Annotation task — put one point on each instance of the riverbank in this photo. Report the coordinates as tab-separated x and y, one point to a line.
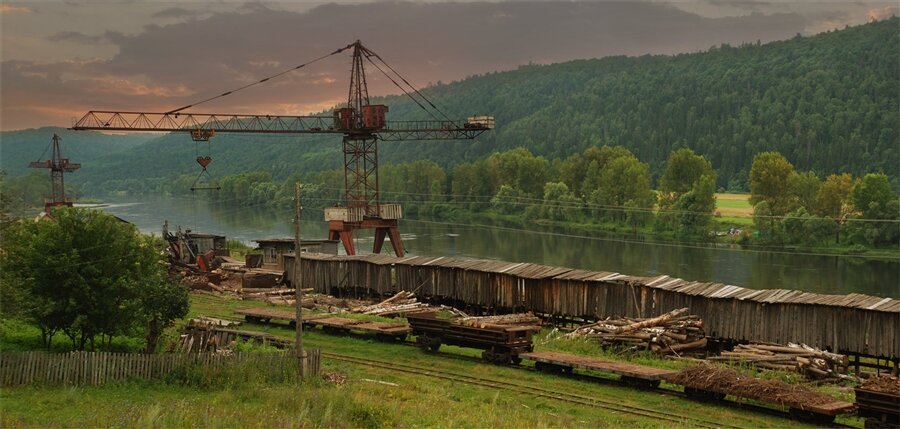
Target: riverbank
727	232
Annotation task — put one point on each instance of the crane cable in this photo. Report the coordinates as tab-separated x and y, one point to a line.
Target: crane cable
403	90
407	83
262	80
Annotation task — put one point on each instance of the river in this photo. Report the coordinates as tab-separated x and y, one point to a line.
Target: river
831	274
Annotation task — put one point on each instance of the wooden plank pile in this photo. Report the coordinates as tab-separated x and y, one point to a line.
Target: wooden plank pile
402	302
208	335
670	333
801	358
502	321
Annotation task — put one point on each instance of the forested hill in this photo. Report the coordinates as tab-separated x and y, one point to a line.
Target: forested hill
19	148
829	103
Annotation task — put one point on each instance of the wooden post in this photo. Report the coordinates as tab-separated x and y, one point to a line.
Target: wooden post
298	288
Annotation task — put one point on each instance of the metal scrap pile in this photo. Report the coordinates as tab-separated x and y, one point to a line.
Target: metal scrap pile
810	361
670	333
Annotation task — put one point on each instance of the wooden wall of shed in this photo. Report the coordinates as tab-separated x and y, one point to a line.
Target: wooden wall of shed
844	329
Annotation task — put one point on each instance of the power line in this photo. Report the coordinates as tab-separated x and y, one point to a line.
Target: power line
266	79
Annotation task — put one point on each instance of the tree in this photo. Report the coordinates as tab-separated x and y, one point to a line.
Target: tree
769	177
834	195
519	169
622	179
879	210
559	203
82	272
769	231
805	188
508	200
162	302
683	169
833	200
695	208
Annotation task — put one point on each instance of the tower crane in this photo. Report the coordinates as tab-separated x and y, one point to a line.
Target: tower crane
58	166
361	124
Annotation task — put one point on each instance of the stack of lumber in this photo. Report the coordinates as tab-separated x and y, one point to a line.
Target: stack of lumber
670	333
810	361
503	321
401	302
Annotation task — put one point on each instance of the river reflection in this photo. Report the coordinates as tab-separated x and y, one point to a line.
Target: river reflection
752	269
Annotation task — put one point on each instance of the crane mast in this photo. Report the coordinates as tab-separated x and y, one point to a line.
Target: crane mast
360	123
58	166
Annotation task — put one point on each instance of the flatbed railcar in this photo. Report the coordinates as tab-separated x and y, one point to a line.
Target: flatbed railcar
329	324
629	374
500	345
818	413
880	409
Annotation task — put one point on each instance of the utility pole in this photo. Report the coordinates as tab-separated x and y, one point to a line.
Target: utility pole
298	284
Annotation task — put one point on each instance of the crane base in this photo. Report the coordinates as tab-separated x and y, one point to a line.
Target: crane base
341	230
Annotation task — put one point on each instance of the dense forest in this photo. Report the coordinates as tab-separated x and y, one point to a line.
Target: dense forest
828	103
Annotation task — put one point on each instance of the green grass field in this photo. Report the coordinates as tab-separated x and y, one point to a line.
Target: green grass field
734	209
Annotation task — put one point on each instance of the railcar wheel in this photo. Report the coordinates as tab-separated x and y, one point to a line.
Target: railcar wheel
703	395
488	356
516	360
435	344
423	342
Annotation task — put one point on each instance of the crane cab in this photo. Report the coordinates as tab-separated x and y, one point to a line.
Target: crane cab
373	117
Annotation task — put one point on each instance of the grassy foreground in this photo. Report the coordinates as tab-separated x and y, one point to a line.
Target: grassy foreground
371	397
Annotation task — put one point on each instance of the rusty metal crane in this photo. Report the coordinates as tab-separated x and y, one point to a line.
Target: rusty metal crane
361	124
58	166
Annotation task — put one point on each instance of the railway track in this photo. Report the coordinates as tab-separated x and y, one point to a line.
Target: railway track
533	391
577	399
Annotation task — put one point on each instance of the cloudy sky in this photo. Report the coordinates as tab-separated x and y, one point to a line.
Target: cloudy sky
60	59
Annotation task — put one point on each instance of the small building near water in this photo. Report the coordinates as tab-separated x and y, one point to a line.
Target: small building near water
274	249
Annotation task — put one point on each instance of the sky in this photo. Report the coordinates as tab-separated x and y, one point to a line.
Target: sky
59	59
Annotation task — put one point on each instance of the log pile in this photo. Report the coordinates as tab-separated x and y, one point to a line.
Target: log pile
813	363
402	302
671	333
503	321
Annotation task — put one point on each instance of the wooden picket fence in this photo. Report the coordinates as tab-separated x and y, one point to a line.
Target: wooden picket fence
98	368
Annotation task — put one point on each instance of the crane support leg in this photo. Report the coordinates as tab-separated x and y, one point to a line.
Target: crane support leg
384	228
394	233
341	231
